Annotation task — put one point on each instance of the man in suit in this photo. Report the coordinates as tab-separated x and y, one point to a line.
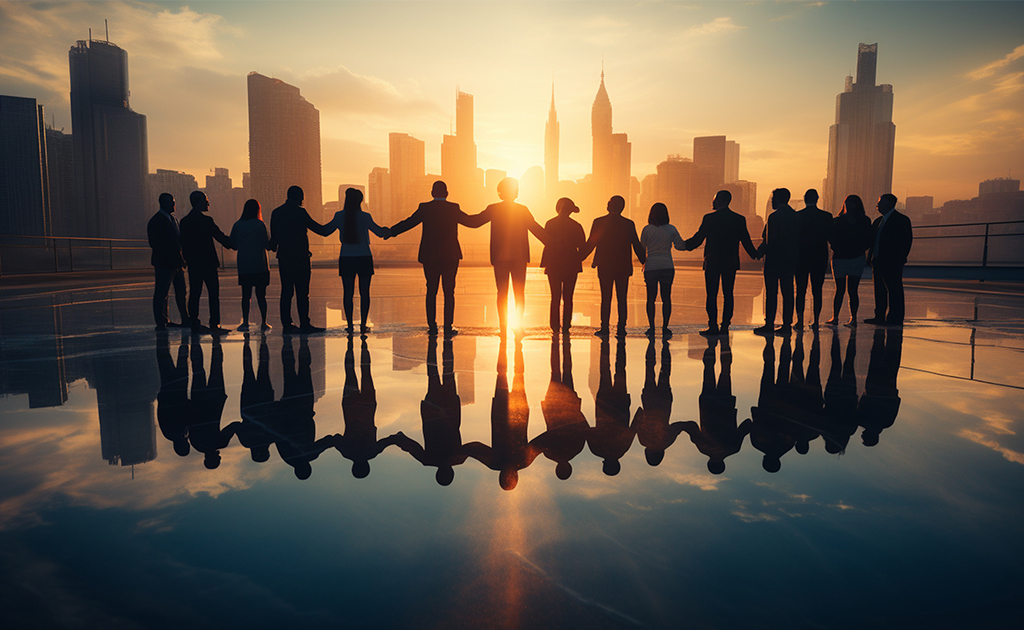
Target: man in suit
612	236
724	231
893	237
198	231
780	248
289	226
439	252
168	263
814	225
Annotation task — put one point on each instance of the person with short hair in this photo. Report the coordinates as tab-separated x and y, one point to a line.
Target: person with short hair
289	228
168	263
198	232
814	225
612	236
893	237
251	239
658	238
561	262
781	250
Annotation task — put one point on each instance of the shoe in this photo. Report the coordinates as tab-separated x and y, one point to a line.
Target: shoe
832	322
518	331
724	328
243	328
160	327
784	329
432	330
877	321
798	326
364	330
893	322
349	330
265	326
649	333
291	329
710	331
601	332
217	330
765	331
666	333
176	325
851	324
199	329
310	329
620	331
450	332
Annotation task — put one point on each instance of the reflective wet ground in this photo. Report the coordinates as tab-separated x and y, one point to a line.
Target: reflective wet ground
839	479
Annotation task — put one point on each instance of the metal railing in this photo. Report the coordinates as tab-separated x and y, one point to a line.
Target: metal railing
992	244
45	254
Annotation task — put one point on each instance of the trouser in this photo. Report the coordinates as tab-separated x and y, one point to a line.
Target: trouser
440	274
712	277
817	278
294	280
165	277
888	280
775	283
562	289
196	279
517	272
620	283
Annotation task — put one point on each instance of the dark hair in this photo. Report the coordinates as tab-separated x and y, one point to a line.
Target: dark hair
251	210
853	207
658	215
781	195
295	193
353	206
166	200
196	197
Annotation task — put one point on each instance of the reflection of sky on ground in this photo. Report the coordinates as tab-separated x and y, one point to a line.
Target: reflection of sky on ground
918	530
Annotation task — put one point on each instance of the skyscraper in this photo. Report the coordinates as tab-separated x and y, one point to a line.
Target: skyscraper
458	156
111	151
720	156
60	167
24	190
284	144
551	152
180	185
612	154
379	202
406	158
861	143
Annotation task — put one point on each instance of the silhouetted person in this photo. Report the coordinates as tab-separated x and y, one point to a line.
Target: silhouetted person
781	250
359	443
510	247
256	403
612	236
880	403
168	263
724	231
893	237
805	393
562	262
292	420
850	238
814	225
439	251
173	410
567	428
289	227
839	421
441	412
770	430
510	450
611	436
251	238
658	238
198	232
651	422
718	436
208	398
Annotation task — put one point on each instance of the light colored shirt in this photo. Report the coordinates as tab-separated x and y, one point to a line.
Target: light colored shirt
658	240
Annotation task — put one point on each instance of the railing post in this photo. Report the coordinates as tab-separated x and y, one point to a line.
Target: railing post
984	253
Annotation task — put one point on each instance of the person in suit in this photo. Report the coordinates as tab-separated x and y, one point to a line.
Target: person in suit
893	236
198	232
880	403
814	226
781	250
291	419
561	262
208	397
612	236
510	247
173	409
724	231
289	234
168	263
718	436
439	251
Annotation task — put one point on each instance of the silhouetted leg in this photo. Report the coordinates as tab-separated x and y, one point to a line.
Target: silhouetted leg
711	297
621	286
302	277
568	288
246	301
728	299
432	273
501	273
518	273
853	282
213	285
554	314
287	290
348	289
606	299
666	297
817	284
448	275
179	294
897	304
364	297
786	288
801	294
652	294
837	300
771	298
163	276
195	291
881	296
261	301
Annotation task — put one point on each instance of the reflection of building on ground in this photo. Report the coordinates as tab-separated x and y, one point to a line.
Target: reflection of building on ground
126	386
410	351
33	356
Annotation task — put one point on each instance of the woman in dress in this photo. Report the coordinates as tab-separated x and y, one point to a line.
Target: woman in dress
658	238
249	235
354	226
562	262
850	238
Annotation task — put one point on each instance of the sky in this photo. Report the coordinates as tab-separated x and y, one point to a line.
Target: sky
765	74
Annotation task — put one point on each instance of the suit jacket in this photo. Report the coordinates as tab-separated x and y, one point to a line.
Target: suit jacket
895	241
612	236
781	246
561	255
165	241
724	231
814	227
439	241
510	222
289	224
198	231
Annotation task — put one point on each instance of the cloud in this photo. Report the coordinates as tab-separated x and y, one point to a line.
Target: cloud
978	438
991	68
718	26
342	90
704	482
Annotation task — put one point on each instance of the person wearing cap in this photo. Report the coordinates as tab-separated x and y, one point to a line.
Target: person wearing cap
562	262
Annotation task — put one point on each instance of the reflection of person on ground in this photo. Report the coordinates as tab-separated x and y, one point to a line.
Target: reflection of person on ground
806	397
881	400
198	232
510	450
658	238
359	443
771	430
256	403
567	428
441	412
510	247
251	238
651	422
781	250
814	225
439	251
849	237
562	263
173	411
893	236
289	227
724	231
168	263
611	436
718	436
354	227
839	421
292	420
612	236
208	398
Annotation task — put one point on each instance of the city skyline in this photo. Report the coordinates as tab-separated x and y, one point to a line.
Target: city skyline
958	113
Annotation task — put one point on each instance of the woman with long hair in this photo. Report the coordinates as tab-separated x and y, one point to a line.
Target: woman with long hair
354	227
657	238
562	263
249	235
849	238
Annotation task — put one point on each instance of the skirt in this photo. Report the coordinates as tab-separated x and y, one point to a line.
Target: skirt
842	267
352	266
258	279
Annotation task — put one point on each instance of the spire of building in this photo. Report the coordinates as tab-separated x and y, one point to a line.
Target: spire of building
551	138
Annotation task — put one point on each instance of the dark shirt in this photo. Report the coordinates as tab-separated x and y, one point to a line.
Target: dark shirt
724	231
198	231
439	241
814	226
781	247
850	237
510	222
165	240
561	255
894	242
612	236
288	232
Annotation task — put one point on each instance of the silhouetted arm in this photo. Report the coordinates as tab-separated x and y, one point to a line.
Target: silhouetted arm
695	241
480	452
678	242
691	428
591	242
476	220
313	226
381	232
219	235
408	223
536	229
410	446
748	244
638	249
